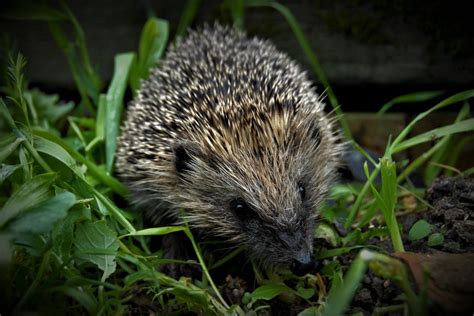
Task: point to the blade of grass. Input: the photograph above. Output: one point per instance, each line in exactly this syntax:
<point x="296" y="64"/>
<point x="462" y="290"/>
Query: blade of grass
<point x="187" y="17"/>
<point x="99" y="124"/>
<point x="387" y="199"/>
<point x="190" y="236"/>
<point x="6" y="151"/>
<point x="21" y="135"/>
<point x="153" y="41"/>
<point x="116" y="212"/>
<point x="430" y="172"/>
<point x="341" y="295"/>
<point x="360" y="197"/>
<point x="82" y="85"/>
<point x="28" y="194"/>
<point x="115" y="94"/>
<point x="443" y="154"/>
<point x="459" y="97"/>
<point x="237" y="11"/>
<point x="15" y="74"/>
<point x="156" y="231"/>
<point x="458" y="127"/>
<point x="81" y="42"/>
<point x="99" y="174"/>
<point x="6" y="115"/>
<point x="410" y="98"/>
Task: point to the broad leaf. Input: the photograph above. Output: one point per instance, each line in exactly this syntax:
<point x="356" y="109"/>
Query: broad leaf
<point x="42" y="217"/>
<point x="269" y="291"/>
<point x="98" y="244"/>
<point x="419" y="230"/>
<point x="28" y="194"/>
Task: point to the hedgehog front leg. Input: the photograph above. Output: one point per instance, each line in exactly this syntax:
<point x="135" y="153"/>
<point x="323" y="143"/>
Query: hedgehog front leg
<point x="177" y="246"/>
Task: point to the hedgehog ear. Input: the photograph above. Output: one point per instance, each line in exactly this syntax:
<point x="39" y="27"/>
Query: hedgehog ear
<point x="184" y="155"/>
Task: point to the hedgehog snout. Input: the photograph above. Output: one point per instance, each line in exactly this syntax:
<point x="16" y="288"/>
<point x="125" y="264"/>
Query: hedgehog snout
<point x="305" y="264"/>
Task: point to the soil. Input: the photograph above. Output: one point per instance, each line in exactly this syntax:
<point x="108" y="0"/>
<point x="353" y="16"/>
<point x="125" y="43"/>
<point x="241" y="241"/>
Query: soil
<point x="452" y="214"/>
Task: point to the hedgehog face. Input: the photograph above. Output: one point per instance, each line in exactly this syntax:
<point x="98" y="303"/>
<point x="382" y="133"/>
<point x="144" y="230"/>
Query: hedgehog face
<point x="282" y="237"/>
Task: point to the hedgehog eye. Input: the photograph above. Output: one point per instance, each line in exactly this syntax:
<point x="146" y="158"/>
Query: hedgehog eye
<point x="241" y="209"/>
<point x="301" y="190"/>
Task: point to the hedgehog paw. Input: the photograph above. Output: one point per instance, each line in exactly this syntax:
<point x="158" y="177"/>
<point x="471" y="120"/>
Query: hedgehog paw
<point x="176" y="246"/>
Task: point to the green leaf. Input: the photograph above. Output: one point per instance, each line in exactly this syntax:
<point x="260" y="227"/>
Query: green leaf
<point x="116" y="213"/>
<point x="123" y="63"/>
<point x="446" y="152"/>
<point x="326" y="232"/>
<point x="419" y="230"/>
<point x="336" y="252"/>
<point x="237" y="10"/>
<point x="386" y="199"/>
<point x="152" y="44"/>
<point x="63" y="233"/>
<point x="7" y="171"/>
<point x="6" y="151"/>
<point x="157" y="231"/>
<point x="100" y="121"/>
<point x="28" y="194"/>
<point x="435" y="239"/>
<point x="269" y="291"/>
<point x="389" y="190"/>
<point x="458" y="97"/>
<point x="421" y="96"/>
<point x="310" y="311"/>
<point x="54" y="150"/>
<point x="191" y="295"/>
<point x="84" y="83"/>
<point x="98" y="173"/>
<point x="458" y="127"/>
<point x="341" y="294"/>
<point x="189" y="13"/>
<point x="6" y="115"/>
<point x="49" y="106"/>
<point x="98" y="244"/>
<point x="140" y="276"/>
<point x="34" y="244"/>
<point x="305" y="293"/>
<point x="42" y="217"/>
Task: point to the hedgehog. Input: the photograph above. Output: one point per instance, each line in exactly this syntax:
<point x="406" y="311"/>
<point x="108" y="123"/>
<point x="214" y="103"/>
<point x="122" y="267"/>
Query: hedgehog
<point x="230" y="130"/>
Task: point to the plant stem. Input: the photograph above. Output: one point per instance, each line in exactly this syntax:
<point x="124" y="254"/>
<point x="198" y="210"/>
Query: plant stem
<point x="203" y="266"/>
<point x="355" y="207"/>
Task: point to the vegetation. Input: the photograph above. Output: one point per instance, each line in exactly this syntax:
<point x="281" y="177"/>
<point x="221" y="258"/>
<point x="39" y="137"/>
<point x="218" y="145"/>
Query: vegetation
<point x="70" y="244"/>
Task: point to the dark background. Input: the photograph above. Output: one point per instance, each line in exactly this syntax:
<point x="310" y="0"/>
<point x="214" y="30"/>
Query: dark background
<point x="371" y="50"/>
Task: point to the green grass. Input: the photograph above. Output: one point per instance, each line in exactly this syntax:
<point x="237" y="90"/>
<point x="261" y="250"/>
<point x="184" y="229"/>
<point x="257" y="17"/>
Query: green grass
<point x="68" y="247"/>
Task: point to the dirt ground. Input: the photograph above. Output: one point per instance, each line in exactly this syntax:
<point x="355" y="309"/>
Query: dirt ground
<point x="451" y="214"/>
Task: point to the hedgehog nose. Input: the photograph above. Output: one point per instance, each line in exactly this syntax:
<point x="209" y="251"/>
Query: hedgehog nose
<point x="305" y="264"/>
